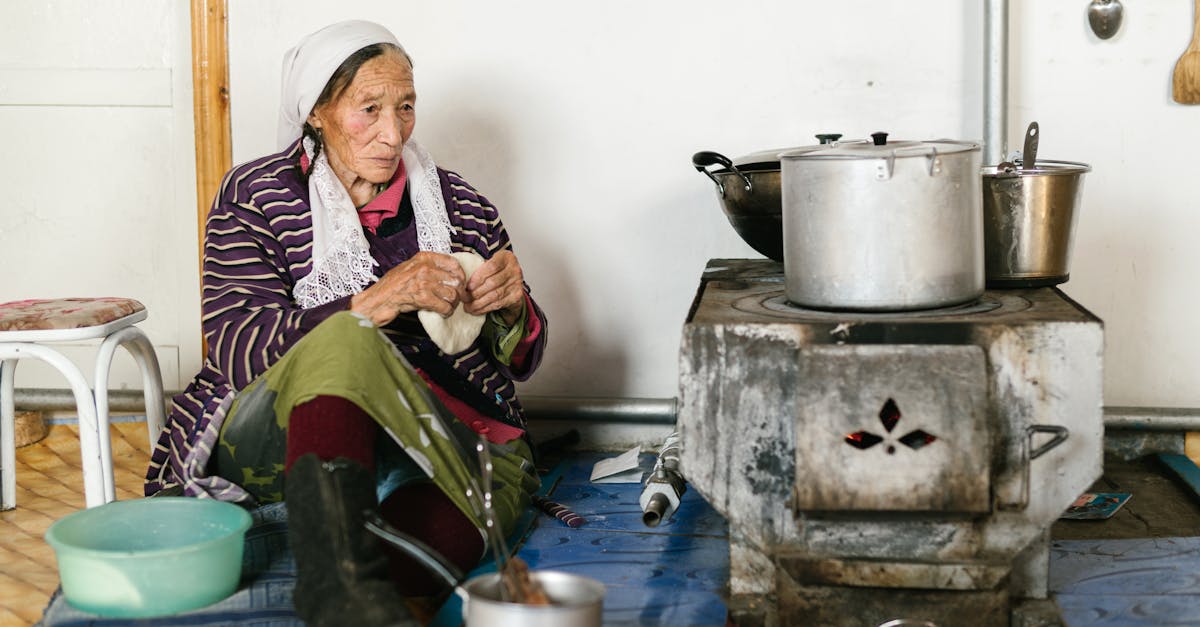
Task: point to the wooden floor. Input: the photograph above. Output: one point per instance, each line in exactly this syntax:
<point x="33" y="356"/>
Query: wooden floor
<point x="50" y="486"/>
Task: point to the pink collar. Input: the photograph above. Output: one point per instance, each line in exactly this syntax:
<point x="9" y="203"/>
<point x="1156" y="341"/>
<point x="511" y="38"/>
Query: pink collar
<point x="381" y="207"/>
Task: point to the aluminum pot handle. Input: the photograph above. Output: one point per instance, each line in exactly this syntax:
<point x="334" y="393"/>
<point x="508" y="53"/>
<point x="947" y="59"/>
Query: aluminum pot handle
<point x="705" y="158"/>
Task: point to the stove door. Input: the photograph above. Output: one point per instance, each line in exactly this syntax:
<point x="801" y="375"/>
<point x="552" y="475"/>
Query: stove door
<point x="887" y="428"/>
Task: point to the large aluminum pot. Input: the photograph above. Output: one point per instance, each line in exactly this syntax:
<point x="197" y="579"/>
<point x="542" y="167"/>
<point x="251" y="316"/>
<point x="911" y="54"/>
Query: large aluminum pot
<point x="1029" y="218"/>
<point x="883" y="226"/>
<point x="748" y="188"/>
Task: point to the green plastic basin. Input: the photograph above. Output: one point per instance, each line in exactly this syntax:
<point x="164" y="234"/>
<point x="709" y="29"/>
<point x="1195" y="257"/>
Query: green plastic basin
<point x="149" y="557"/>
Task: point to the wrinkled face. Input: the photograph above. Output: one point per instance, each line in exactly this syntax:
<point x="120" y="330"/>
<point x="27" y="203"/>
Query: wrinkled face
<point x="364" y="129"/>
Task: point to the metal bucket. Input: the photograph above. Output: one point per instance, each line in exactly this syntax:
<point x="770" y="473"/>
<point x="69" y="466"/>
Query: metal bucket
<point x="1029" y="221"/>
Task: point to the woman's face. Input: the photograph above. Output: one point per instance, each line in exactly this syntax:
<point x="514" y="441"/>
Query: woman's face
<point x="364" y="129"/>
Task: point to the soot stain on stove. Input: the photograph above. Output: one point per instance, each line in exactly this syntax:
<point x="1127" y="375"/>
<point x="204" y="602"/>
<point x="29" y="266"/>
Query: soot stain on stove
<point x="771" y="468"/>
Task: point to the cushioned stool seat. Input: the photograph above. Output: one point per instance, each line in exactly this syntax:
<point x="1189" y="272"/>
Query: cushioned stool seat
<point x="26" y="327"/>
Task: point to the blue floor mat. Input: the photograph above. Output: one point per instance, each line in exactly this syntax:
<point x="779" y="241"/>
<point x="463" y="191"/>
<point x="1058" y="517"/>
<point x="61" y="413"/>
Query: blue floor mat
<point x="673" y="574"/>
<point x="1134" y="582"/>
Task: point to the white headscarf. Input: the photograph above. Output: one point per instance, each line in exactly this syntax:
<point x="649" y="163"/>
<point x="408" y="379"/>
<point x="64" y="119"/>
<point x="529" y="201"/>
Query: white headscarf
<point x="342" y="260"/>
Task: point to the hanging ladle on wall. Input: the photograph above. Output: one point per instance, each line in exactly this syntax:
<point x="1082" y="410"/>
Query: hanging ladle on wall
<point x="1105" y="17"/>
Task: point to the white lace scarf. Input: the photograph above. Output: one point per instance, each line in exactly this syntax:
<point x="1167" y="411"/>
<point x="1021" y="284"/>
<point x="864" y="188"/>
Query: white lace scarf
<point x="342" y="262"/>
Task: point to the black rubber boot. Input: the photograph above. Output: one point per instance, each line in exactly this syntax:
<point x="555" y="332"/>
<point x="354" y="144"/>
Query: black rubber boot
<point x="341" y="568"/>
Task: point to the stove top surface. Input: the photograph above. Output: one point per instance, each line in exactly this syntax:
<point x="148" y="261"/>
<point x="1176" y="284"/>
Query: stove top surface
<point x="751" y="291"/>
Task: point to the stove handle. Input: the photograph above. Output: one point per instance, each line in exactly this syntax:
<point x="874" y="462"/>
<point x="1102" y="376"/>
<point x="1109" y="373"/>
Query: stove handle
<point x="1060" y="436"/>
<point x="1028" y="453"/>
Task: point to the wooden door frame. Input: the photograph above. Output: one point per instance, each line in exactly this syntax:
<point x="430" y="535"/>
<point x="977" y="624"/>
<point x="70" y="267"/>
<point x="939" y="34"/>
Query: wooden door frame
<point x="210" y="102"/>
<point x="210" y="109"/>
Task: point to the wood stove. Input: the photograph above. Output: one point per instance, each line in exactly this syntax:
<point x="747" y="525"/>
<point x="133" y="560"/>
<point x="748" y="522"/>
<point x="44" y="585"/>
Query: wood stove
<point x="882" y="466"/>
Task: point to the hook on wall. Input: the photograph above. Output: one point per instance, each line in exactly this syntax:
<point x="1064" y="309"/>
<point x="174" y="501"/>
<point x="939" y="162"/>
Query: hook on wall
<point x="1105" y="17"/>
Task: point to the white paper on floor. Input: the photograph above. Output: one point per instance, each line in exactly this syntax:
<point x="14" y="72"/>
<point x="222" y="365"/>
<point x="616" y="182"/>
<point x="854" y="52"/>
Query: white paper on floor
<point x="620" y="469"/>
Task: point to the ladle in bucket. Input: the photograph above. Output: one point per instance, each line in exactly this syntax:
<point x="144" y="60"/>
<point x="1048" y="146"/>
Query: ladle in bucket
<point x="1029" y="155"/>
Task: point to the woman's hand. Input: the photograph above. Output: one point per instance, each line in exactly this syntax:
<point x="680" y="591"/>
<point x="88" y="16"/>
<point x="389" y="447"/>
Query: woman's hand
<point x="427" y="281"/>
<point x="498" y="285"/>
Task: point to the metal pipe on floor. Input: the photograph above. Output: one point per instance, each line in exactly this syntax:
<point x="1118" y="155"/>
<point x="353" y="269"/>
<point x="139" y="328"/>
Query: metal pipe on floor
<point x="612" y="410"/>
<point x="658" y="411"/>
<point x="1152" y="418"/>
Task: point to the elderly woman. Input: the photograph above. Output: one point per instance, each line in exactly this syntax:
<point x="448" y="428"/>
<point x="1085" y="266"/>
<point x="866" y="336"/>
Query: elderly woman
<point x="321" y="385"/>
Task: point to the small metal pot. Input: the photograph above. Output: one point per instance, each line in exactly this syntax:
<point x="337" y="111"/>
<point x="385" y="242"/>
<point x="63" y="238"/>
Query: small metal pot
<point x="1029" y="222"/>
<point x="883" y="226"/>
<point x="578" y="602"/>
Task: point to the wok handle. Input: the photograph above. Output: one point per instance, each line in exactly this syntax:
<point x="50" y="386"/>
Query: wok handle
<point x="705" y="158"/>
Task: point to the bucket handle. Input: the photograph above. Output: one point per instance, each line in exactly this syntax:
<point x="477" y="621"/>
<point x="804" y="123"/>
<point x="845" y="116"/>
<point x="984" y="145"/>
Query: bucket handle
<point x="435" y="562"/>
<point x="705" y="158"/>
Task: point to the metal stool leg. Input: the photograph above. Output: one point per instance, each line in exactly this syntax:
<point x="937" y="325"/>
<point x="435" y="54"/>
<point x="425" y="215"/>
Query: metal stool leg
<point x="8" y="442"/>
<point x="142" y="350"/>
<point x="89" y="434"/>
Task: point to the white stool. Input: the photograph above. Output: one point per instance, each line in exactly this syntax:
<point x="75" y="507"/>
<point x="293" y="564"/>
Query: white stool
<point x="25" y="327"/>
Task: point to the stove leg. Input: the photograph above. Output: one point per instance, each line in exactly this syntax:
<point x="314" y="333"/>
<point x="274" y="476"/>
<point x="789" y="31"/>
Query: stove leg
<point x="1030" y="577"/>
<point x="1036" y="613"/>
<point x="751" y="572"/>
<point x="753" y="611"/>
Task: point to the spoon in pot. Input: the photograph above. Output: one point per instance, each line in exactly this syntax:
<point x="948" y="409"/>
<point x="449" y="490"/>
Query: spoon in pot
<point x="1029" y="155"/>
<point x="517" y="584"/>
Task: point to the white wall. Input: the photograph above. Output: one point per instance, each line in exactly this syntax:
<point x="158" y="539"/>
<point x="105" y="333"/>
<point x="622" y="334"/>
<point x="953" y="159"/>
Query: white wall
<point x="1136" y="261"/>
<point x="97" y="169"/>
<point x="579" y="120"/>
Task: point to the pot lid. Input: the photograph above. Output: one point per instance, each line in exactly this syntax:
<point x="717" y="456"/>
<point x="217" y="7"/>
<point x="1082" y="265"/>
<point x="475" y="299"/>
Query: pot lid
<point x="769" y="159"/>
<point x="879" y="146"/>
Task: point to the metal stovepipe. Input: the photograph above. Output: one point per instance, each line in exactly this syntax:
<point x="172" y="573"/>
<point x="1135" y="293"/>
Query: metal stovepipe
<point x="995" y="81"/>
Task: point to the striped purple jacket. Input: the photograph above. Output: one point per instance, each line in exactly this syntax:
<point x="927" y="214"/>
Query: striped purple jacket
<point x="257" y="244"/>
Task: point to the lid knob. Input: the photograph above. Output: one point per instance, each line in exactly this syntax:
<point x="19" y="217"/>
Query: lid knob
<point x="828" y="138"/>
<point x="880" y="138"/>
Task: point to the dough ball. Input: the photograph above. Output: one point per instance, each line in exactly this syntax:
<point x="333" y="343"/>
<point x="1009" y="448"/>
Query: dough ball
<point x="457" y="333"/>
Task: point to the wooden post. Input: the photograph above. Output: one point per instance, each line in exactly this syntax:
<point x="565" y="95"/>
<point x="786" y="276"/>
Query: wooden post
<point x="210" y="83"/>
<point x="210" y="103"/>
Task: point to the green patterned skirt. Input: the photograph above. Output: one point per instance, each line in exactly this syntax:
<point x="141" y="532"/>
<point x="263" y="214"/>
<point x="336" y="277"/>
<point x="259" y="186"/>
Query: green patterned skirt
<point x="349" y="357"/>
